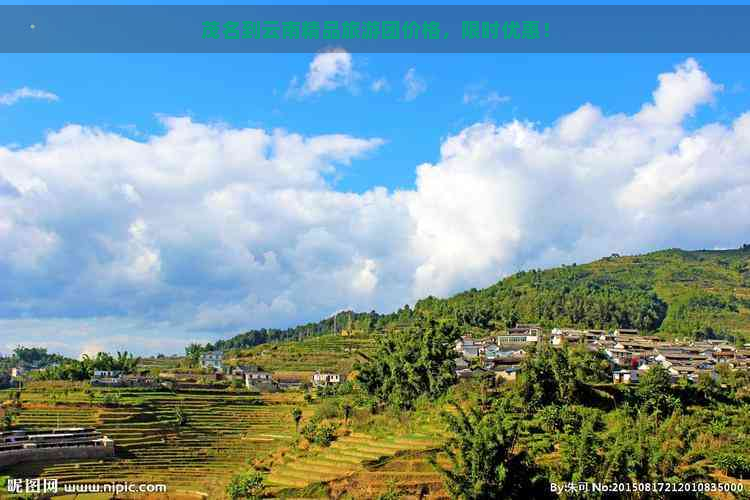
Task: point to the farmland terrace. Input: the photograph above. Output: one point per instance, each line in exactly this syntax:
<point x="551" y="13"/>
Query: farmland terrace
<point x="222" y="434"/>
<point x="328" y="353"/>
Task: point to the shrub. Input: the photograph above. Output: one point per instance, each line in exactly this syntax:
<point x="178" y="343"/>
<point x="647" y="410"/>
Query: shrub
<point x="246" y="485"/>
<point x="9" y="416"/>
<point x="733" y="464"/>
<point x="392" y="493"/>
<point x="180" y="416"/>
<point x="320" y="433"/>
<point x="297" y="416"/>
<point x="327" y="409"/>
<point x="111" y="399"/>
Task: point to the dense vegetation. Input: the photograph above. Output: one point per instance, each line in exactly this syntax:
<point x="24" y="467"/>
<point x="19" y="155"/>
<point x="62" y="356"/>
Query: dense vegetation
<point x="410" y="362"/>
<point x="695" y="294"/>
<point x="37" y="357"/>
<point x="556" y="425"/>
<point x="84" y="368"/>
<point x="342" y="321"/>
<point x="562" y="421"/>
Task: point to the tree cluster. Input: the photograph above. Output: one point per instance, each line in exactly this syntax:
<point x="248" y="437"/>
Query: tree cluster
<point x="84" y="369"/>
<point x="411" y="362"/>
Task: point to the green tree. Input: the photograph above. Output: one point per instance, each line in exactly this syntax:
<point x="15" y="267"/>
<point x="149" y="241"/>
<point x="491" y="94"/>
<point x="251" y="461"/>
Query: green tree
<point x="9" y="417"/>
<point x="590" y="366"/>
<point x="346" y="410"/>
<point x="633" y="449"/>
<point x="180" y="417"/>
<point x="297" y="416"/>
<point x="320" y="433"/>
<point x="707" y="385"/>
<point x="125" y="362"/>
<point x="193" y="353"/>
<point x="655" y="391"/>
<point x="411" y="361"/>
<point x="579" y="455"/>
<point x="547" y="377"/>
<point x="484" y="461"/>
<point x="734" y="464"/>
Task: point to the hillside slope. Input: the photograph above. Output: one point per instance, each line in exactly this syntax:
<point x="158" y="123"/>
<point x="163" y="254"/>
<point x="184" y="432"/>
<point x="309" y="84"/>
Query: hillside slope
<point x="677" y="293"/>
<point x="674" y="292"/>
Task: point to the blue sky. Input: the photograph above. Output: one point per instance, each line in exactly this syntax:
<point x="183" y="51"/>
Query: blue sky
<point x="151" y="200"/>
<point x="119" y="91"/>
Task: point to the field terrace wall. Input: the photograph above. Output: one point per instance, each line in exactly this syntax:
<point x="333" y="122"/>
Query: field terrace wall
<point x="60" y="444"/>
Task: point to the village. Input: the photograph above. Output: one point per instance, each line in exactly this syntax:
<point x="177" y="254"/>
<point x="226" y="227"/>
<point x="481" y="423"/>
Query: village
<point x="243" y="399"/>
<point x="630" y="354"/>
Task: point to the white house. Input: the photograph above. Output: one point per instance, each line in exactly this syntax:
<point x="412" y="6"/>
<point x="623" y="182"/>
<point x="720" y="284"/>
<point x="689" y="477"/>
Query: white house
<point x="491" y="351"/>
<point x="625" y="376"/>
<point x="326" y="378"/>
<point x="517" y="339"/>
<point x="468" y="347"/>
<point x="213" y="359"/>
<point x="107" y="377"/>
<point x="257" y="377"/>
<point x="619" y="356"/>
<point x="562" y="335"/>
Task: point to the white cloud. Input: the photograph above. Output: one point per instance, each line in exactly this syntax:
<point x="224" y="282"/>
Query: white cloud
<point x="476" y="94"/>
<point x="678" y="95"/>
<point x="503" y="197"/>
<point x="414" y="85"/>
<point x="207" y="230"/>
<point x="380" y="85"/>
<point x="204" y="227"/>
<point x="328" y="71"/>
<point x="26" y="93"/>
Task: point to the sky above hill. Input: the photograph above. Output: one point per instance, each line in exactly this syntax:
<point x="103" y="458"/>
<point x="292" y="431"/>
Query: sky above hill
<point x="151" y="200"/>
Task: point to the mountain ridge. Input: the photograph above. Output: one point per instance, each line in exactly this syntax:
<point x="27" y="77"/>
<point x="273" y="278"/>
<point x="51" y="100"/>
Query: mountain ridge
<point x="672" y="292"/>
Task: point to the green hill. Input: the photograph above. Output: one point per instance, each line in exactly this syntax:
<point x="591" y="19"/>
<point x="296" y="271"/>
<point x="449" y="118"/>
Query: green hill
<point x="673" y="292"/>
<point x="676" y="293"/>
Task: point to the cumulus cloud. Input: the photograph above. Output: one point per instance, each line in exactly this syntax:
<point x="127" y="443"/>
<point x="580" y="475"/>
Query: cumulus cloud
<point x="207" y="230"/>
<point x="678" y="95"/>
<point x="328" y="71"/>
<point x="204" y="226"/>
<point x="414" y="85"/>
<point x="13" y="97"/>
<point x="509" y="196"/>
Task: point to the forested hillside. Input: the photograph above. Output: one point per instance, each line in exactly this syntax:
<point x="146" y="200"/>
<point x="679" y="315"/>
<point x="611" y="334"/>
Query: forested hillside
<point x="344" y="321"/>
<point x="675" y="292"/>
<point x="700" y="294"/>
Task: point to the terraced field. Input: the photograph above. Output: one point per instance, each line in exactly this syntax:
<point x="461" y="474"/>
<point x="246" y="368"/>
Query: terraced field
<point x="224" y="432"/>
<point x="332" y="353"/>
<point x="347" y="456"/>
<point x="409" y="473"/>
